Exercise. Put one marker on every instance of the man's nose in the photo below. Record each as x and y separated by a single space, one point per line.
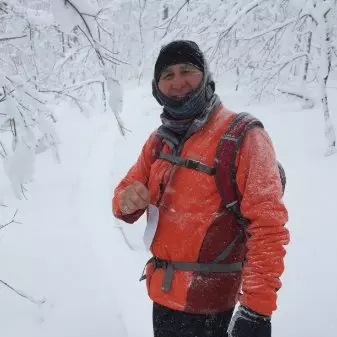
178 81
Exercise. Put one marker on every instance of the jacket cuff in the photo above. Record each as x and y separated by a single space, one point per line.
130 218
264 308
253 315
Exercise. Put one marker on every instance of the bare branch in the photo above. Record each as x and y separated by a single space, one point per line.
268 30
7 38
334 50
4 150
62 93
90 15
22 294
289 60
93 43
4 94
113 59
169 20
111 54
308 100
23 190
281 65
174 16
107 58
19 86
13 127
126 240
82 84
70 55
103 28
74 87
81 15
4 4
234 20
92 40
10 222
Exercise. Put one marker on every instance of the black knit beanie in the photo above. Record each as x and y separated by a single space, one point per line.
180 51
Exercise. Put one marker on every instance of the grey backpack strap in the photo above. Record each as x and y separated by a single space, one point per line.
143 276
171 266
168 277
188 163
229 248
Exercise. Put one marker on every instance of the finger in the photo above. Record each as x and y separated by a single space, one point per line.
131 202
142 191
125 208
128 201
138 201
142 204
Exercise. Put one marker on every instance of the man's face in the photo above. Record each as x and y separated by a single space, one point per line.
179 80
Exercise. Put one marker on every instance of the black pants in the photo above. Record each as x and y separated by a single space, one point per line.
172 323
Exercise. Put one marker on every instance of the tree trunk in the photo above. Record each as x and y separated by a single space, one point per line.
165 12
104 97
237 64
63 41
324 76
306 60
99 34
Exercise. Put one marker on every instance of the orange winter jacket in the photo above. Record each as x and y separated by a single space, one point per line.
189 228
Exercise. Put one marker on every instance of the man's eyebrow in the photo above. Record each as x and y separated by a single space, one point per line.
166 71
188 66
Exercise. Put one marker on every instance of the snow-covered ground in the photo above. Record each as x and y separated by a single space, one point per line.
71 252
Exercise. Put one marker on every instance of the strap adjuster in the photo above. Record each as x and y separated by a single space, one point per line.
193 164
234 207
158 263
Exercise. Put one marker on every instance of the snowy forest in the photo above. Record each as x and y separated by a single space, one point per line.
83 54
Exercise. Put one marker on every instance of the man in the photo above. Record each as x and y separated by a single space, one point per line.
194 293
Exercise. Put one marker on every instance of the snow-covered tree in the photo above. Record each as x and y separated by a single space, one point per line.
51 50
274 47
26 119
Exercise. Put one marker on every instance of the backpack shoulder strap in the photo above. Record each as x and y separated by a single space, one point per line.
227 150
157 147
157 153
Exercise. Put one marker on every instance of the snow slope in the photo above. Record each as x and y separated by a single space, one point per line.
70 251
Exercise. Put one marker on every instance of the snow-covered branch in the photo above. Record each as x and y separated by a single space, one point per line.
80 10
273 28
167 22
235 19
288 60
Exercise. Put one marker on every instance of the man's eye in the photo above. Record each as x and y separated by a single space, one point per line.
167 76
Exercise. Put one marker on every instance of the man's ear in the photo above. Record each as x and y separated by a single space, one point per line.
210 87
155 92
210 81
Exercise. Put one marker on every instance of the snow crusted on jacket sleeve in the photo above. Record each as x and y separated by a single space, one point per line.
140 171
260 185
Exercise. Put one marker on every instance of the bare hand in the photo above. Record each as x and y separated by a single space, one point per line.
135 197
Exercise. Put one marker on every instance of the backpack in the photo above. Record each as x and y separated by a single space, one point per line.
225 177
224 162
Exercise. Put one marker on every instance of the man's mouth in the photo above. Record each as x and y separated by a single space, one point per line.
181 96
